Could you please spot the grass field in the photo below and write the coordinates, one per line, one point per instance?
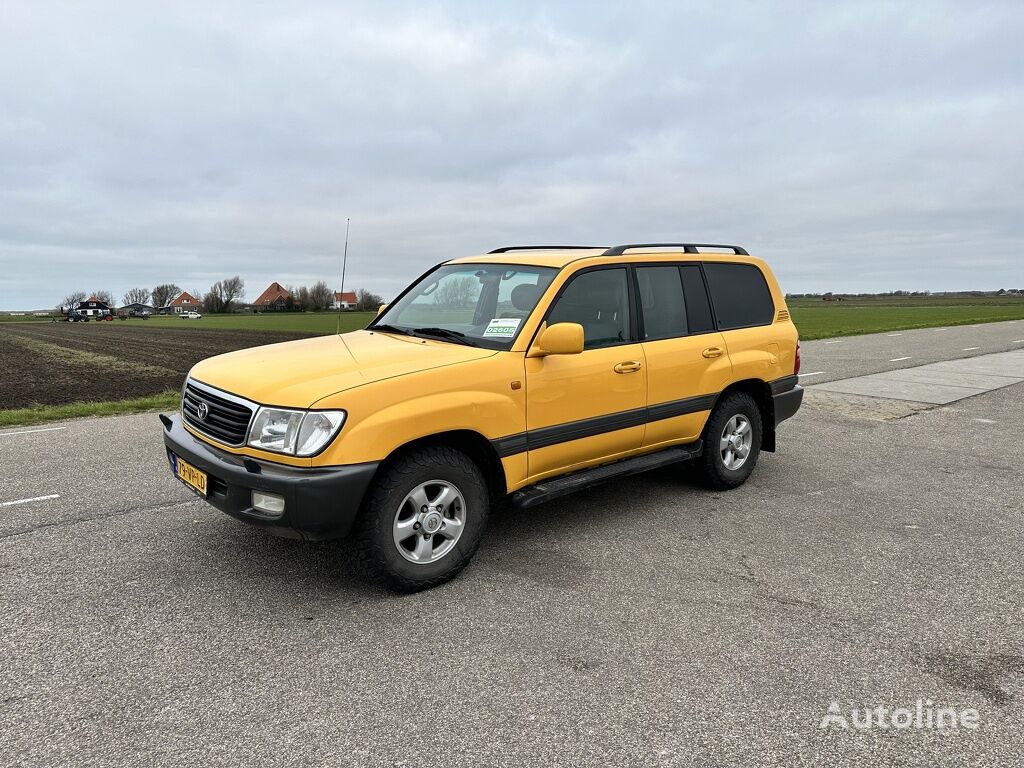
(63, 370)
(817, 319)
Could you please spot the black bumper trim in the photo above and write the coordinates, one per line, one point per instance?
(787, 403)
(320, 502)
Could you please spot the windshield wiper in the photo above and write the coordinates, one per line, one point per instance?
(445, 333)
(389, 329)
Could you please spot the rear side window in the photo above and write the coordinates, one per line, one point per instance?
(698, 308)
(740, 295)
(662, 302)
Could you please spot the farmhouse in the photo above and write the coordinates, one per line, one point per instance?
(92, 307)
(183, 302)
(276, 297)
(346, 300)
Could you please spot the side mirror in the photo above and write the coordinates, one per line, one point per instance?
(559, 339)
(380, 309)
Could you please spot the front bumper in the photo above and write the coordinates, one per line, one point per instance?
(320, 502)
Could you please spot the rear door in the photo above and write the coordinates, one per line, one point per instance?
(687, 361)
(591, 406)
(744, 310)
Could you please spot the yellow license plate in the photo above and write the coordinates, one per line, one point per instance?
(192, 477)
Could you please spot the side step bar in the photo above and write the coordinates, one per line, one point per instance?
(546, 490)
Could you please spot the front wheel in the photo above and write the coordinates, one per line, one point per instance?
(732, 442)
(423, 519)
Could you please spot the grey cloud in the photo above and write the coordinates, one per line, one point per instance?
(857, 146)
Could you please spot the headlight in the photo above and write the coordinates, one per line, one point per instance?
(299, 433)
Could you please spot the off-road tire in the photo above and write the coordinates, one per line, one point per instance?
(378, 554)
(711, 469)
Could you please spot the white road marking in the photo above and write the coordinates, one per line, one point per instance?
(984, 421)
(897, 359)
(894, 334)
(837, 341)
(1019, 341)
(941, 329)
(30, 431)
(812, 373)
(968, 349)
(28, 501)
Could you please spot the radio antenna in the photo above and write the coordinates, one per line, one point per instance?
(344, 263)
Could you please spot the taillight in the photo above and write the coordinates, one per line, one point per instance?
(796, 368)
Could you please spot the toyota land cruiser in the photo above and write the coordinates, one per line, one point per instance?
(520, 375)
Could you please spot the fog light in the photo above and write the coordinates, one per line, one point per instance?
(270, 503)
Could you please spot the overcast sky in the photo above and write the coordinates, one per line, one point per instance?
(857, 146)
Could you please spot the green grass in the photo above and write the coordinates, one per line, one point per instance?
(19, 417)
(314, 323)
(816, 319)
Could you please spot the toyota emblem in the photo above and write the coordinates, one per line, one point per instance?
(202, 411)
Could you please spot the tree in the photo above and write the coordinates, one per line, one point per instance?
(303, 297)
(72, 299)
(455, 293)
(223, 294)
(320, 296)
(137, 296)
(163, 294)
(106, 297)
(367, 301)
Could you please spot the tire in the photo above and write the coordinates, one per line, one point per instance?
(722, 469)
(392, 548)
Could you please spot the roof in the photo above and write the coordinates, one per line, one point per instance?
(181, 299)
(349, 296)
(275, 292)
(538, 258)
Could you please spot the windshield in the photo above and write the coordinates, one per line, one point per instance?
(481, 305)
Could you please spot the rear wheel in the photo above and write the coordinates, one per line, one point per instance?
(732, 442)
(423, 519)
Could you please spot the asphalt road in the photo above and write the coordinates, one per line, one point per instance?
(873, 561)
(841, 358)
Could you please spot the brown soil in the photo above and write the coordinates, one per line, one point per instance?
(57, 363)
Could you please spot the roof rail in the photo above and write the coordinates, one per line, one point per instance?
(545, 248)
(618, 250)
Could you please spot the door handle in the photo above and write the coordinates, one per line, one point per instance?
(629, 366)
(713, 352)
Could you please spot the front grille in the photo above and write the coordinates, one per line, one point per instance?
(226, 421)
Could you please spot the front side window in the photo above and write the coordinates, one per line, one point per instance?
(599, 301)
(481, 305)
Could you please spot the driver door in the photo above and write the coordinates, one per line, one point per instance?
(589, 407)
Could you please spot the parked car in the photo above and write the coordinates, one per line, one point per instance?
(520, 376)
(191, 315)
(141, 314)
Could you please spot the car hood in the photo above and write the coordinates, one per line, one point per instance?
(298, 373)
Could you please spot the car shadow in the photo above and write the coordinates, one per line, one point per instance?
(538, 544)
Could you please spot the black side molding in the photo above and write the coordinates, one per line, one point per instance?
(546, 490)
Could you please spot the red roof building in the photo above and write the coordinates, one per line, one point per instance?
(275, 297)
(183, 302)
(345, 300)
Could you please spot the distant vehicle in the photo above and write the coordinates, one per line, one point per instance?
(190, 315)
(142, 314)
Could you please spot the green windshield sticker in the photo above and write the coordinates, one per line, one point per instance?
(502, 328)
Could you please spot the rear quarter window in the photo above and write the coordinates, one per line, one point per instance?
(740, 295)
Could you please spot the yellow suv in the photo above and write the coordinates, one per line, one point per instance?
(521, 375)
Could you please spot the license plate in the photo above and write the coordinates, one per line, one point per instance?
(192, 477)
